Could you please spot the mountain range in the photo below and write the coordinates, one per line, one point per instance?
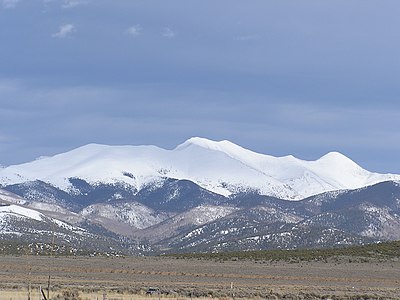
(201, 196)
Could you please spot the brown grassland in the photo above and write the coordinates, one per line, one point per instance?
(123, 278)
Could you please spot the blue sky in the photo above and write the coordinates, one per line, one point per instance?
(278, 77)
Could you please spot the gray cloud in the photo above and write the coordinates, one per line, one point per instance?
(134, 30)
(168, 33)
(9, 3)
(64, 31)
(73, 3)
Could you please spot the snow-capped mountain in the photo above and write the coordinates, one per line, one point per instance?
(219, 167)
(201, 196)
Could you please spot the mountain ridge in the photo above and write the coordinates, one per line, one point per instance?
(220, 167)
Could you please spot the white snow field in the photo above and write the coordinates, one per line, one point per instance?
(221, 167)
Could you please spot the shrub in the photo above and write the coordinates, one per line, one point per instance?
(68, 295)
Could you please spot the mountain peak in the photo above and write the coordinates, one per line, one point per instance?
(336, 158)
(208, 144)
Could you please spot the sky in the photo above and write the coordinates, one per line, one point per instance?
(277, 77)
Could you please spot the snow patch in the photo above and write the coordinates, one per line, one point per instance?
(21, 212)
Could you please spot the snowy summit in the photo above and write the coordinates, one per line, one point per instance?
(220, 167)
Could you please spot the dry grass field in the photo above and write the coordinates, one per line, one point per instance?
(128, 278)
